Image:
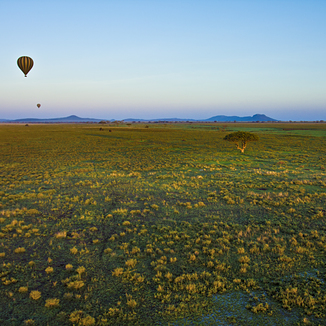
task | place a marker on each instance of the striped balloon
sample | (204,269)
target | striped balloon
(25,64)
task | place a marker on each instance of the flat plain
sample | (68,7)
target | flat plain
(162,224)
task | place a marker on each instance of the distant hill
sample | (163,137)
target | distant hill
(220,118)
(71,118)
(256,117)
(76,119)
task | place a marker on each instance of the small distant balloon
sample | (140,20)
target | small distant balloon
(38,105)
(25,64)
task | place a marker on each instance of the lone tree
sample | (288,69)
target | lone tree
(241,139)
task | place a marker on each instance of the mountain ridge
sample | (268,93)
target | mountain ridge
(217,118)
(255,117)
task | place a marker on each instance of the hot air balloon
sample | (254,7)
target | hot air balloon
(38,105)
(25,64)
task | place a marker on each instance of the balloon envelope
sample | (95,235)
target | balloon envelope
(38,105)
(25,64)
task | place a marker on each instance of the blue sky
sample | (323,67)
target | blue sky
(159,59)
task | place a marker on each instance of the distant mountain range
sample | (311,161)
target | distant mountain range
(71,118)
(75,119)
(219,118)
(255,117)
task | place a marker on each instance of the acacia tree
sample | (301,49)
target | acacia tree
(241,139)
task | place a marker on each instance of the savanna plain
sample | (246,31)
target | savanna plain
(162,224)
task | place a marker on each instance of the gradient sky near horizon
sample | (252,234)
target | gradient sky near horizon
(163,59)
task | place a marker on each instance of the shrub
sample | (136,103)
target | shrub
(35,295)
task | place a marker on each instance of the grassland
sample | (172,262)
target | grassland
(162,224)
